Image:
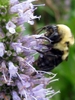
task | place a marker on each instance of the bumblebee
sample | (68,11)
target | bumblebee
(57,49)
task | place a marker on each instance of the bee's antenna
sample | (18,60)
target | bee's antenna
(39,30)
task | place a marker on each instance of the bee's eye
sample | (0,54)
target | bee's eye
(51,30)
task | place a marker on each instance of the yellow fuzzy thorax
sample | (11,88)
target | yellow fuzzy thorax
(66,36)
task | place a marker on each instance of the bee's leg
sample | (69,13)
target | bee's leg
(40,30)
(52,55)
(49,46)
(41,52)
(43,37)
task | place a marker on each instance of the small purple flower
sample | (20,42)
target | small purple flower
(17,47)
(32,90)
(13,2)
(25,12)
(15,96)
(2,49)
(24,6)
(27,17)
(10,26)
(12,70)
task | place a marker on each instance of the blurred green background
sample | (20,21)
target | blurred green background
(55,12)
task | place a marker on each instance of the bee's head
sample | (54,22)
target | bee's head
(52,33)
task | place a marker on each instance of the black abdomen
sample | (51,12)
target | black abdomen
(49,60)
